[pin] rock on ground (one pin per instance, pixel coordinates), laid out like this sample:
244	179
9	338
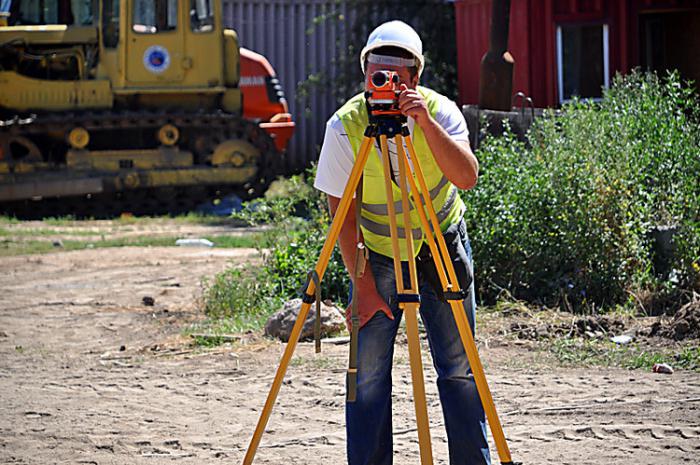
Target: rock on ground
281	323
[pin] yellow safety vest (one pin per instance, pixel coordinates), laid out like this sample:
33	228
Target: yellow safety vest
375	220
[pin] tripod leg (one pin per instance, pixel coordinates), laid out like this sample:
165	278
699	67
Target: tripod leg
419	400
321	266
442	259
408	300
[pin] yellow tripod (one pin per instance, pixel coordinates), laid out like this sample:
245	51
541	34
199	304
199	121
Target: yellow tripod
381	128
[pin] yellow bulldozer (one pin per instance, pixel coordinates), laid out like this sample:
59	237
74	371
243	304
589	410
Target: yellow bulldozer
110	106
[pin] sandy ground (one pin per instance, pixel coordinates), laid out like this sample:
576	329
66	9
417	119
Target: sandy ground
90	375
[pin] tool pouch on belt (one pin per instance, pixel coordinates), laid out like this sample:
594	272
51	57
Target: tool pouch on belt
455	247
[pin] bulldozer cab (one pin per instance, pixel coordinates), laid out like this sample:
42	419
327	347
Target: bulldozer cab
154	34
168	40
143	44
166	43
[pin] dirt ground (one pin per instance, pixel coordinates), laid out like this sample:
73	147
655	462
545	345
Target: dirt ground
91	375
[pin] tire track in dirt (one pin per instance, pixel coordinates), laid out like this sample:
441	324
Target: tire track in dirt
71	396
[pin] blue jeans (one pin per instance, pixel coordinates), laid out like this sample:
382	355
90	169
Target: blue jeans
368	419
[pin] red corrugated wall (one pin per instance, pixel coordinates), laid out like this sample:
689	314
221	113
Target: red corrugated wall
532	42
473	19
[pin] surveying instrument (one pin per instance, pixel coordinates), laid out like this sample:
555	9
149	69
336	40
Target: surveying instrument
385	121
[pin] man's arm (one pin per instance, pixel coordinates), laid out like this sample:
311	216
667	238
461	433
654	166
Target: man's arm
369	300
455	158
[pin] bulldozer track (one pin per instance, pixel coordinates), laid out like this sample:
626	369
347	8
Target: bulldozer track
201	130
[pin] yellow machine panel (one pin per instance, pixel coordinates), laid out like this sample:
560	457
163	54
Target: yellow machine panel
38	94
116	160
50	34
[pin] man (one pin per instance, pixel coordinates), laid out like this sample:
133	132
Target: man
440	137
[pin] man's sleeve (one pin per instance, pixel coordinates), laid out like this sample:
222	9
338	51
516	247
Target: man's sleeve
335	161
452	120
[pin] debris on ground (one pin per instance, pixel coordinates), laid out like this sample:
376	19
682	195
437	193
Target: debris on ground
684	325
194	243
280	324
225	206
210	337
148	301
664	368
621	339
592	327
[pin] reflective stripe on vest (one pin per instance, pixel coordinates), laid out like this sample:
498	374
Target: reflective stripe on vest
381	208
384	230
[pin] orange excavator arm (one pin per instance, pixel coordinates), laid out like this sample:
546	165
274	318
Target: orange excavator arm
263	98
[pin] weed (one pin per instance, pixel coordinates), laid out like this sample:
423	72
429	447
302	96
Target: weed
8	220
10	247
61	220
238	297
33	232
319	362
592	352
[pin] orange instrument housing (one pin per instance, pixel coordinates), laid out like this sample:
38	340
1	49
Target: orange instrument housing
382	93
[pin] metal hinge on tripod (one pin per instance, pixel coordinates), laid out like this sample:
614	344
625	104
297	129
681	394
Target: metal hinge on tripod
455	295
311	298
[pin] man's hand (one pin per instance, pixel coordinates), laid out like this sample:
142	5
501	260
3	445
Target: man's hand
369	303
412	103
455	158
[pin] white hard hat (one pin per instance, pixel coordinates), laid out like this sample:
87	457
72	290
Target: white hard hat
394	34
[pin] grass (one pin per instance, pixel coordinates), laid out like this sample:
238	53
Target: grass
320	362
216	329
8	220
188	218
581	352
60	220
9	247
17	232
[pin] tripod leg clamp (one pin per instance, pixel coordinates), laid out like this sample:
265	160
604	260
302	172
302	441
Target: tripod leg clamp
459	295
406	298
310	299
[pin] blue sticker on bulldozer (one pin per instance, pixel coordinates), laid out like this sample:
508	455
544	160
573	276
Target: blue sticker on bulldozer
156	59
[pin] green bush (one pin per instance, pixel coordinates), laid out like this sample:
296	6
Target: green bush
297	220
237	292
568	218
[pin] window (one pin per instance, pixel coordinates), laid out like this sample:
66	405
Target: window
36	12
110	23
82	12
582	61
202	15
153	16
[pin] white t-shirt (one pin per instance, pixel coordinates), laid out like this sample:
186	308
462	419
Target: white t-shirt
337	157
